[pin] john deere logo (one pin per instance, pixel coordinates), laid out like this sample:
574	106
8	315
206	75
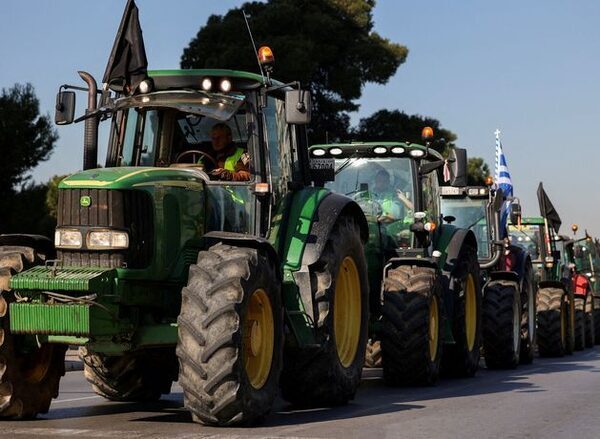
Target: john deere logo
85	201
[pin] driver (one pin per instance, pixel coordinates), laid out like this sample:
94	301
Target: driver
233	163
386	197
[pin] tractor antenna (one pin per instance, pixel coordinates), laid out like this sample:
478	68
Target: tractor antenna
262	73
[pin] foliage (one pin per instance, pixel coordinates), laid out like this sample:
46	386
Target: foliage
477	170
328	45
52	195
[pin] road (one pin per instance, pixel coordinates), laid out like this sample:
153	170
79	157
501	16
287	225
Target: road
552	398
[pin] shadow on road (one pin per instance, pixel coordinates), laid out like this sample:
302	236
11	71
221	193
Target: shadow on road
373	397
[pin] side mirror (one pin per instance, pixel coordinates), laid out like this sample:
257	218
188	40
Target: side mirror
498	201
515	213
458	167
65	108
297	107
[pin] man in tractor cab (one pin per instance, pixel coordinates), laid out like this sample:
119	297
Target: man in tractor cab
388	198
232	162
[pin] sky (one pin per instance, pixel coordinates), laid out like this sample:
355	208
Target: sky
530	69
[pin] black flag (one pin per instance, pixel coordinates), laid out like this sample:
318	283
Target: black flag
547	209
127	65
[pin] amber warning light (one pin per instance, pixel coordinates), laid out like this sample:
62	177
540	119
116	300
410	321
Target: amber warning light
265	56
427	133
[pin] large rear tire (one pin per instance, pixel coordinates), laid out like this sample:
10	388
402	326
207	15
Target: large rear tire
411	335
230	336
501	325
579	324
142	375
553	322
528	317
462	358
29	374
329	374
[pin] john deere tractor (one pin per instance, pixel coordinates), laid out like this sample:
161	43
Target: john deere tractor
428	311
158	273
555	300
509	295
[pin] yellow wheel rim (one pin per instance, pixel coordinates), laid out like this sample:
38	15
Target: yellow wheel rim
347	311
259	338
470	311
434	322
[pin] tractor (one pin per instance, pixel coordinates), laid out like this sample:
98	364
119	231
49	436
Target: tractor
239	290
509	296
555	300
427	317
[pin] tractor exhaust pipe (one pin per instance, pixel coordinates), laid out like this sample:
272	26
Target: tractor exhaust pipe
90	141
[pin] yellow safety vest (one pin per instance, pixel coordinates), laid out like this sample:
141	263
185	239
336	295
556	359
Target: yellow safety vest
232	160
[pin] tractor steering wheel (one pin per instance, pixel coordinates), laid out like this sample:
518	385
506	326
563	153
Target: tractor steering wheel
192	152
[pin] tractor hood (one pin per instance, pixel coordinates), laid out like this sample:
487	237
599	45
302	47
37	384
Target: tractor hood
132	177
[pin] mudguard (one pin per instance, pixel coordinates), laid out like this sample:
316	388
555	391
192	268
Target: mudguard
508	276
40	243
459	239
331	207
552	284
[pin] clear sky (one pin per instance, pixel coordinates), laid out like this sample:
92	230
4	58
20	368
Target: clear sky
531	69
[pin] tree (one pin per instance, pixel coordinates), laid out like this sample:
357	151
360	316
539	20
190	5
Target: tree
395	125
477	170
328	45
26	138
52	195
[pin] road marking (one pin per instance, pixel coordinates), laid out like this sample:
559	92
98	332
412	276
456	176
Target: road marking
76	399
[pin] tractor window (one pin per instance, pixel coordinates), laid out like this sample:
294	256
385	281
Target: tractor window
149	138
527	236
140	142
471	214
127	157
383	188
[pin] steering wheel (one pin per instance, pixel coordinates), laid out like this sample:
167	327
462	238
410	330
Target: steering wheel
192	152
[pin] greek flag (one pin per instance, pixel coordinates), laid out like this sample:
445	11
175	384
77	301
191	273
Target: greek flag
502	176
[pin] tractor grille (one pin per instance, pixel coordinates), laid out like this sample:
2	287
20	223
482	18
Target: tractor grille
122	210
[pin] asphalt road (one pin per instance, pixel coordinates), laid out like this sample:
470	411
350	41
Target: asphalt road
552	398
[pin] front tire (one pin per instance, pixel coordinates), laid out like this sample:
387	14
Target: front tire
29	375
411	336
528	319
579	324
230	336
502	325
328	375
590	324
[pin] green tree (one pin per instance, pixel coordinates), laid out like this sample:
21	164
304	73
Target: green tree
328	45
26	139
478	170
52	195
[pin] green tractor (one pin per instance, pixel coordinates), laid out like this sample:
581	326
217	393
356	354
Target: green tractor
509	294
236	289
555	300
427	316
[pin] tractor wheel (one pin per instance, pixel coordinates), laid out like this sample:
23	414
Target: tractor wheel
329	374
230	336
462	358
579	324
596	313
590	335
553	322
373	354
29	373
142	375
528	317
502	325
411	335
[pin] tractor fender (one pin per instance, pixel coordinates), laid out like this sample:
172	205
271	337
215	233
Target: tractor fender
507	276
40	243
460	239
331	207
244	240
552	284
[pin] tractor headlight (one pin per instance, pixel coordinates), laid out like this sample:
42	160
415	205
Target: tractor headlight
107	240
67	238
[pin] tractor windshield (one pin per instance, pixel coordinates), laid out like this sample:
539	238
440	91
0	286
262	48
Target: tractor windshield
471	214
384	188
528	237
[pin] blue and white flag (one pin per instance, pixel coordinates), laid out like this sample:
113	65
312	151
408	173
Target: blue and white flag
502	176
